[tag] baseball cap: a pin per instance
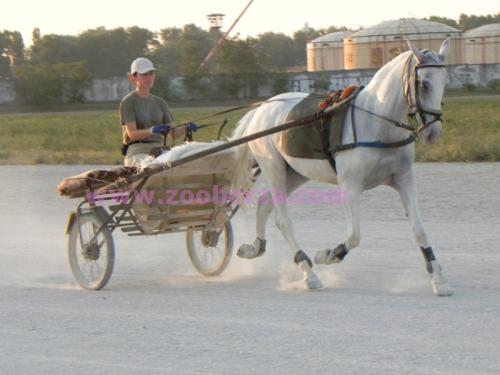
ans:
(141, 65)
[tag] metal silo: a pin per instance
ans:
(482, 45)
(373, 47)
(326, 52)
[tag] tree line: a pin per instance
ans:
(56, 68)
(467, 22)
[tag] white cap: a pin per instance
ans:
(141, 65)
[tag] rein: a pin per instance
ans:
(250, 105)
(189, 134)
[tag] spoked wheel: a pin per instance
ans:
(91, 257)
(210, 251)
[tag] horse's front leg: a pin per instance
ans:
(406, 187)
(303, 262)
(352, 203)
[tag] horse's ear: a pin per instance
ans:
(418, 54)
(444, 49)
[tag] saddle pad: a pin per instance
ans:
(77, 186)
(313, 140)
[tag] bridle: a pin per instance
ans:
(414, 104)
(416, 107)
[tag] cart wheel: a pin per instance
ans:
(210, 252)
(92, 263)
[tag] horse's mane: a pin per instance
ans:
(397, 65)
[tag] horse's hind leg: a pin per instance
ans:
(283, 180)
(264, 209)
(258, 247)
(405, 186)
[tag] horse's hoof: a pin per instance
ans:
(325, 257)
(313, 282)
(330, 256)
(247, 251)
(321, 257)
(442, 290)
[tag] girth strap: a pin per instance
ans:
(325, 138)
(377, 144)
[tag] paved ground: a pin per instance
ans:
(376, 315)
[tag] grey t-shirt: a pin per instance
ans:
(146, 112)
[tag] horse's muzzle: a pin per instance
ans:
(432, 135)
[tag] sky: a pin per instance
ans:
(286, 16)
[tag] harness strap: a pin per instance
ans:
(399, 124)
(135, 142)
(348, 94)
(376, 144)
(325, 138)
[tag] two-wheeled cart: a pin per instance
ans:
(194, 198)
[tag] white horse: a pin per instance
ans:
(412, 84)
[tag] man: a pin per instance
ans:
(145, 118)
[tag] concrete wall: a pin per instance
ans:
(459, 75)
(478, 75)
(7, 92)
(112, 89)
(339, 79)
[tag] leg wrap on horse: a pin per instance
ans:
(429, 257)
(262, 247)
(251, 251)
(331, 256)
(339, 252)
(301, 256)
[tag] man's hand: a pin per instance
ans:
(191, 127)
(161, 129)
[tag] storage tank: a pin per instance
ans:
(373, 47)
(327, 52)
(482, 45)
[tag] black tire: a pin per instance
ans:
(97, 258)
(210, 259)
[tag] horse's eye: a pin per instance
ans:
(425, 85)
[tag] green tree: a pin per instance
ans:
(108, 53)
(237, 68)
(466, 22)
(51, 49)
(11, 51)
(166, 56)
(170, 35)
(301, 38)
(194, 44)
(304, 36)
(443, 20)
(4, 67)
(13, 46)
(49, 84)
(275, 51)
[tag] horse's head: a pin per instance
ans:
(425, 82)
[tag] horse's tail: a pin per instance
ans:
(242, 177)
